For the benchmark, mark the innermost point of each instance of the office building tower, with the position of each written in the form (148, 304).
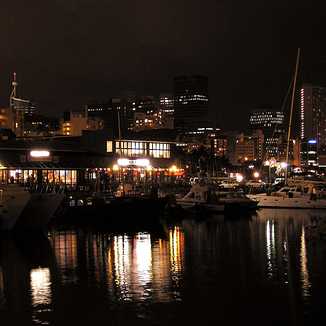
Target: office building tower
(271, 123)
(190, 102)
(313, 114)
(116, 114)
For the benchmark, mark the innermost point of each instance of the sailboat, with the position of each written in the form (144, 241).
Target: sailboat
(297, 195)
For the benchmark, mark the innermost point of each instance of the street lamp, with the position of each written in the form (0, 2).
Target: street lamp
(256, 174)
(268, 163)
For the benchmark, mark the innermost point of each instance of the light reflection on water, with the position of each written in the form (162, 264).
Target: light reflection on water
(215, 270)
(2, 294)
(270, 247)
(304, 267)
(41, 294)
(41, 286)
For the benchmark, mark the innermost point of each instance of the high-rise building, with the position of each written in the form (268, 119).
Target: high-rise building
(190, 102)
(309, 153)
(39, 125)
(167, 110)
(266, 120)
(271, 123)
(166, 104)
(313, 114)
(74, 123)
(117, 115)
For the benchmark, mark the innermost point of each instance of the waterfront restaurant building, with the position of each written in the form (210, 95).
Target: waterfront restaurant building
(72, 161)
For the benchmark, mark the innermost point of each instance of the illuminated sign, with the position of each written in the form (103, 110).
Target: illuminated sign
(312, 141)
(141, 162)
(39, 155)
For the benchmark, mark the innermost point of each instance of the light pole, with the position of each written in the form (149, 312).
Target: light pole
(268, 163)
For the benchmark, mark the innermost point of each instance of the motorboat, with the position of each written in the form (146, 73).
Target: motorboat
(298, 196)
(13, 200)
(202, 196)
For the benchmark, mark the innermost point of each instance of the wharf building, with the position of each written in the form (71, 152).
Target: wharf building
(313, 122)
(96, 158)
(190, 103)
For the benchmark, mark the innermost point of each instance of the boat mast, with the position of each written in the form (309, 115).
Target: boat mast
(291, 114)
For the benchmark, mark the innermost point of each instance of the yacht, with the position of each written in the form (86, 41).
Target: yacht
(200, 196)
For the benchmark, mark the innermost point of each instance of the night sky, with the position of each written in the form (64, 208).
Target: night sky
(69, 52)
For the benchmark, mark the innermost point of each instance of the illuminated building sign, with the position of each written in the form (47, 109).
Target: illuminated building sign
(312, 141)
(141, 162)
(39, 155)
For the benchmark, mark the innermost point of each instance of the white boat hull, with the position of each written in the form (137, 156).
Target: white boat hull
(286, 202)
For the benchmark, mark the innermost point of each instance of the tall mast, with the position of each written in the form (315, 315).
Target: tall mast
(291, 114)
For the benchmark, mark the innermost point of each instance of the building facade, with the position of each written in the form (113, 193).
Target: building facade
(271, 123)
(74, 123)
(190, 102)
(313, 114)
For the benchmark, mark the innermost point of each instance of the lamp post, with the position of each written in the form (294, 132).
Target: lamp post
(268, 163)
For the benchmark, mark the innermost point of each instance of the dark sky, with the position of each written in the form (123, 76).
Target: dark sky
(67, 52)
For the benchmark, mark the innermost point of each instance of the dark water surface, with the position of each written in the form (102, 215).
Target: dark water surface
(263, 270)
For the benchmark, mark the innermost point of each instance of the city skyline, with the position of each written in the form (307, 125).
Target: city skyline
(80, 51)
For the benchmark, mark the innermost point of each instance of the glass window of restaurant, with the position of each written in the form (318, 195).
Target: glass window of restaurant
(67, 177)
(141, 148)
(159, 150)
(131, 148)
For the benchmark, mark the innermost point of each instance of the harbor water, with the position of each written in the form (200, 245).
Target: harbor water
(264, 269)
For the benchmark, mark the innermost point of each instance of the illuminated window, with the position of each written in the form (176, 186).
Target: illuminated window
(109, 148)
(159, 150)
(143, 148)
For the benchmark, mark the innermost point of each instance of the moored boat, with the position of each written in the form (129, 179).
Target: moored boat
(203, 197)
(236, 202)
(291, 197)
